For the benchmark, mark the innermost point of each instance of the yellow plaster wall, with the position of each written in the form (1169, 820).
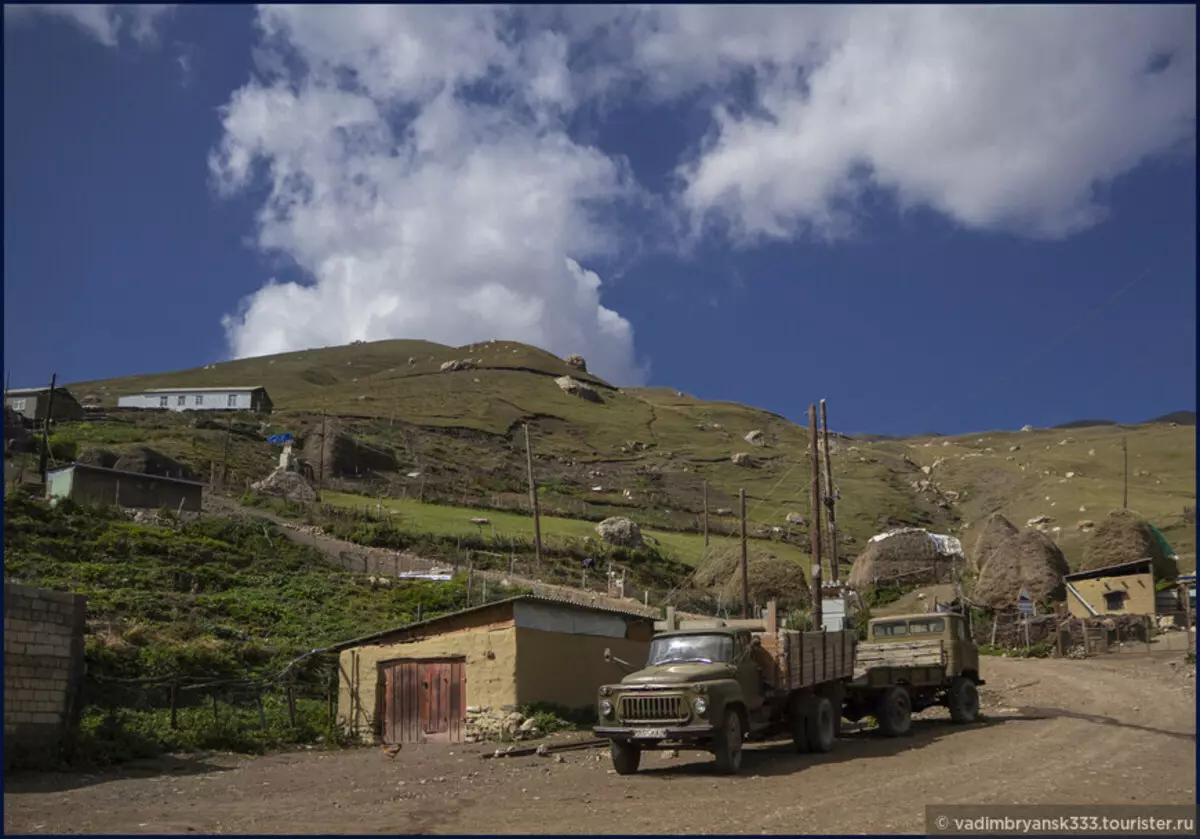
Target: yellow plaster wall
(491, 658)
(567, 669)
(1138, 588)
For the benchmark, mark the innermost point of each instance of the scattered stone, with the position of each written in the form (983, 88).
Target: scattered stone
(1070, 475)
(457, 364)
(1086, 525)
(796, 519)
(578, 388)
(480, 522)
(756, 438)
(283, 483)
(621, 531)
(577, 362)
(1036, 520)
(742, 459)
(1014, 448)
(724, 511)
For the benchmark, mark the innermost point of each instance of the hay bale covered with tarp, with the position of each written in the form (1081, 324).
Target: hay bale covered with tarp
(770, 577)
(996, 529)
(1124, 536)
(1028, 561)
(910, 556)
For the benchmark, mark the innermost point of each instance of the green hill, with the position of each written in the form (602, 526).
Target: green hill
(643, 452)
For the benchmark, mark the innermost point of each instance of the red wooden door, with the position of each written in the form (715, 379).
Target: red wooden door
(424, 701)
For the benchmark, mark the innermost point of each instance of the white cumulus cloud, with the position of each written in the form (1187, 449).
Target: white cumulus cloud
(998, 117)
(420, 176)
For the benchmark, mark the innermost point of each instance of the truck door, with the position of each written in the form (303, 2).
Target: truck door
(749, 676)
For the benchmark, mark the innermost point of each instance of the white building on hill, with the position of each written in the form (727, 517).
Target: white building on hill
(200, 399)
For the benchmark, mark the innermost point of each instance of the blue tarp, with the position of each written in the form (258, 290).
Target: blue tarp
(280, 439)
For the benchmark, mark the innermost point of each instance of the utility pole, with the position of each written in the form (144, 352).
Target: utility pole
(321, 459)
(46, 429)
(1125, 491)
(815, 493)
(706, 514)
(225, 453)
(533, 501)
(745, 558)
(830, 501)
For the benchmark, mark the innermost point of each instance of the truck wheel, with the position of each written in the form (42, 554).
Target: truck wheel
(894, 712)
(821, 725)
(727, 744)
(963, 700)
(625, 757)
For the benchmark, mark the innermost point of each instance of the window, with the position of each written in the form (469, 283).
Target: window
(889, 630)
(181, 400)
(199, 398)
(703, 648)
(232, 400)
(1114, 601)
(162, 401)
(932, 626)
(18, 405)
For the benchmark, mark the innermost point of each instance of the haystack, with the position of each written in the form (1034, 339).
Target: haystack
(1124, 536)
(141, 459)
(995, 530)
(1029, 561)
(770, 577)
(907, 557)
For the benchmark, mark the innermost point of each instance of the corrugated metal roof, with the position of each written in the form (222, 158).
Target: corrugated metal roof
(1110, 570)
(30, 391)
(238, 389)
(378, 636)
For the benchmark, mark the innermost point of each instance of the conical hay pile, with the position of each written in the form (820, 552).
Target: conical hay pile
(1124, 536)
(1029, 561)
(995, 530)
(904, 558)
(147, 461)
(770, 577)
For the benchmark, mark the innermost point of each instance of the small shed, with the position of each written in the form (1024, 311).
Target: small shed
(97, 485)
(414, 684)
(248, 398)
(33, 403)
(1124, 589)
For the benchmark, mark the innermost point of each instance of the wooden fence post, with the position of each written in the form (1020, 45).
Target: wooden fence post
(174, 713)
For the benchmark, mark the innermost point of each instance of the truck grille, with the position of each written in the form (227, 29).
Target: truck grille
(654, 708)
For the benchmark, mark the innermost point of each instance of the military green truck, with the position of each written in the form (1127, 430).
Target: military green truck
(910, 663)
(710, 685)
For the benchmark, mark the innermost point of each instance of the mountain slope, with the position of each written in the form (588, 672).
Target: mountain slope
(645, 452)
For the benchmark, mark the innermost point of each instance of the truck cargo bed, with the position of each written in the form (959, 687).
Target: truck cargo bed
(804, 659)
(922, 654)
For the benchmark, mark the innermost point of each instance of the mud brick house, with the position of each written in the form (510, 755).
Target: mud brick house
(1125, 589)
(415, 683)
(87, 484)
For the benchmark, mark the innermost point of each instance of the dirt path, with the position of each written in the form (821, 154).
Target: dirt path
(1112, 730)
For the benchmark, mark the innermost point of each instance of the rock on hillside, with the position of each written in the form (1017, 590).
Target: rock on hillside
(620, 531)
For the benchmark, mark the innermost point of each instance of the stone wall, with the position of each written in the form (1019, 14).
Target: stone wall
(43, 672)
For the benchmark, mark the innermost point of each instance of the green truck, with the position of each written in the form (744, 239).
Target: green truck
(910, 663)
(713, 684)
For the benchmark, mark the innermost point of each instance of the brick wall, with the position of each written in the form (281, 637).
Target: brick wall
(43, 671)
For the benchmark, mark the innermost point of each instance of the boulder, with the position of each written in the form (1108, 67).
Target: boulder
(742, 459)
(756, 438)
(455, 365)
(796, 519)
(577, 362)
(620, 531)
(578, 388)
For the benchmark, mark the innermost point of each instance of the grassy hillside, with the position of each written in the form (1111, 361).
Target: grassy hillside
(215, 603)
(643, 452)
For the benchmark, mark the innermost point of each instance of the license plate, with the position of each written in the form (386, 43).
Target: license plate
(650, 734)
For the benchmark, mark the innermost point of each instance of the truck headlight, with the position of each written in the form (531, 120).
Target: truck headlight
(700, 704)
(606, 708)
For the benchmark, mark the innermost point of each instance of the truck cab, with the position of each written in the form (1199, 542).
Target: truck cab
(961, 656)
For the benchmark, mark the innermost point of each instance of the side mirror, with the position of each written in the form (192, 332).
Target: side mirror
(608, 656)
(755, 641)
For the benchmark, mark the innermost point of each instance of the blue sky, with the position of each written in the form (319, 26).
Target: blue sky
(942, 219)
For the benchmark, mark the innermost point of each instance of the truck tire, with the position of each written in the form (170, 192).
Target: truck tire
(894, 712)
(727, 744)
(625, 757)
(821, 725)
(962, 698)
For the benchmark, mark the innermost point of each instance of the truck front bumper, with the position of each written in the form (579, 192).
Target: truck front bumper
(652, 735)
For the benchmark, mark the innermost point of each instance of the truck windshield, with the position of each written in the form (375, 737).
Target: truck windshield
(703, 648)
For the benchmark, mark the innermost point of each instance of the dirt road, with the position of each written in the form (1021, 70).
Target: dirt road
(1110, 730)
